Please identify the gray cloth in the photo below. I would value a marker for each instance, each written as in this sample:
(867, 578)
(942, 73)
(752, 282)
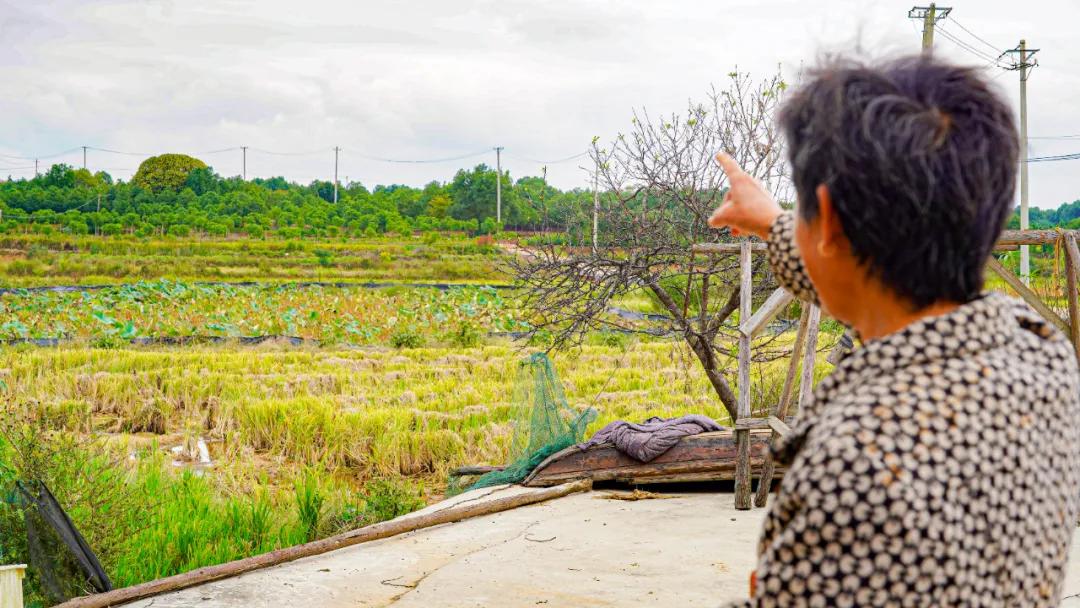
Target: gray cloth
(651, 438)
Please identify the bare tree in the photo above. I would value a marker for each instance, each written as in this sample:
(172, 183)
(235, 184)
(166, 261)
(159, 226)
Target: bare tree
(659, 184)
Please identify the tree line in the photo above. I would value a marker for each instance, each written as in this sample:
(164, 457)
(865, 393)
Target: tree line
(179, 195)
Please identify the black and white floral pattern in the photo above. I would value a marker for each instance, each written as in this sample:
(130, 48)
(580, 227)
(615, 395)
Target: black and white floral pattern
(937, 466)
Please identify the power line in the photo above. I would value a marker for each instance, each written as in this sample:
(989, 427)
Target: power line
(996, 48)
(119, 152)
(424, 161)
(967, 47)
(273, 153)
(1056, 157)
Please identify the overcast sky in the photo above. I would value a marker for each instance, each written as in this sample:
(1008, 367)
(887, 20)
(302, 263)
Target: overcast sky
(442, 78)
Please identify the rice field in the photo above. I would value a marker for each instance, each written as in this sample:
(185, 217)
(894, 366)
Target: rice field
(174, 442)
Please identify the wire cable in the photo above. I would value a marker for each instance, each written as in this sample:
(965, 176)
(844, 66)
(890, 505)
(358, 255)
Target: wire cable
(986, 57)
(995, 47)
(273, 153)
(119, 152)
(425, 161)
(1056, 157)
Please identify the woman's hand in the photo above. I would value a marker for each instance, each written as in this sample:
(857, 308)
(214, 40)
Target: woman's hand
(748, 207)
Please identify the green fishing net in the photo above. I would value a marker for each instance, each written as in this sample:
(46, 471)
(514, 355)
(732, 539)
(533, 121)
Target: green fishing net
(544, 423)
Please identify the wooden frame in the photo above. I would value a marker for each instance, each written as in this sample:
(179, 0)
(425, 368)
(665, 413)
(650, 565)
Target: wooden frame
(806, 339)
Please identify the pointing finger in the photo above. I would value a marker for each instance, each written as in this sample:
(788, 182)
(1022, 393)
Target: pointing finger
(728, 164)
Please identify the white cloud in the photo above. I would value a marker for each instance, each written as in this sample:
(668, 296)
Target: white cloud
(433, 79)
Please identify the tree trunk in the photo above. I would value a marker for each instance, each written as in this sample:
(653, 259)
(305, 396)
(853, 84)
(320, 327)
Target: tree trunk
(702, 348)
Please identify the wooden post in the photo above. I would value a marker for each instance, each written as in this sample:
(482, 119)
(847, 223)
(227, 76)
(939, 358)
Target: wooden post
(806, 383)
(782, 406)
(11, 594)
(1072, 269)
(742, 437)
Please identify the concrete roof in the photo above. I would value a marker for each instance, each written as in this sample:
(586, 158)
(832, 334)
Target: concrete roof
(690, 549)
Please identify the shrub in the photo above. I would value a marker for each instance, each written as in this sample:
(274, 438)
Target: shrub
(386, 499)
(406, 338)
(166, 172)
(466, 336)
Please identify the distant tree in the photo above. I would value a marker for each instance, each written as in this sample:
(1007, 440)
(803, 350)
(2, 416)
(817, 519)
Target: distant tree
(166, 172)
(438, 206)
(474, 193)
(323, 189)
(59, 176)
(202, 180)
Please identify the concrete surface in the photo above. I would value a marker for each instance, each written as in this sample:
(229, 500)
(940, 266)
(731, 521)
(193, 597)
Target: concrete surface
(692, 549)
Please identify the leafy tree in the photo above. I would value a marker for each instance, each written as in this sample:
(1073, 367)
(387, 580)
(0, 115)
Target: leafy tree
(474, 193)
(439, 206)
(166, 172)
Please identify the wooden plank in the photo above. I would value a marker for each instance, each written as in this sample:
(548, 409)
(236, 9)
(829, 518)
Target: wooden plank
(742, 437)
(783, 406)
(479, 469)
(1072, 271)
(748, 424)
(708, 456)
(1029, 296)
(772, 306)
(281, 556)
(719, 445)
(779, 426)
(806, 382)
(1014, 238)
(726, 248)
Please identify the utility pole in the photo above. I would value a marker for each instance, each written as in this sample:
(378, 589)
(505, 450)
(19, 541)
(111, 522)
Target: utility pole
(84, 157)
(1023, 66)
(36, 168)
(929, 15)
(243, 162)
(498, 184)
(595, 205)
(336, 150)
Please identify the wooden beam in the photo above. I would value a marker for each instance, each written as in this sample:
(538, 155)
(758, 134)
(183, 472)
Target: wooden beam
(783, 406)
(1072, 272)
(1009, 239)
(1029, 296)
(779, 426)
(752, 424)
(742, 438)
(385, 529)
(1014, 238)
(806, 382)
(706, 456)
(772, 306)
(477, 469)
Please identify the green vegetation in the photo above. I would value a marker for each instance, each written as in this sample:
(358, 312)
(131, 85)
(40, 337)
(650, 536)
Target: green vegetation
(35, 259)
(403, 318)
(304, 441)
(179, 196)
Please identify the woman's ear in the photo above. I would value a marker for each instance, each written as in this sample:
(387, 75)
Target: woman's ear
(832, 236)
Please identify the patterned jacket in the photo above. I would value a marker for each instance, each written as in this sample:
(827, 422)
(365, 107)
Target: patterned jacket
(937, 466)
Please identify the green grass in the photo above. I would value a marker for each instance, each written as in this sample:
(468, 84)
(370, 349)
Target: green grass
(31, 260)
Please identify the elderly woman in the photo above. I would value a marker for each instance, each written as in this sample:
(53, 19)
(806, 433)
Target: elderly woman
(939, 463)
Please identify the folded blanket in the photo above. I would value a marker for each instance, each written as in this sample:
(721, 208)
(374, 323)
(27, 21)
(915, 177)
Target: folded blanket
(651, 438)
